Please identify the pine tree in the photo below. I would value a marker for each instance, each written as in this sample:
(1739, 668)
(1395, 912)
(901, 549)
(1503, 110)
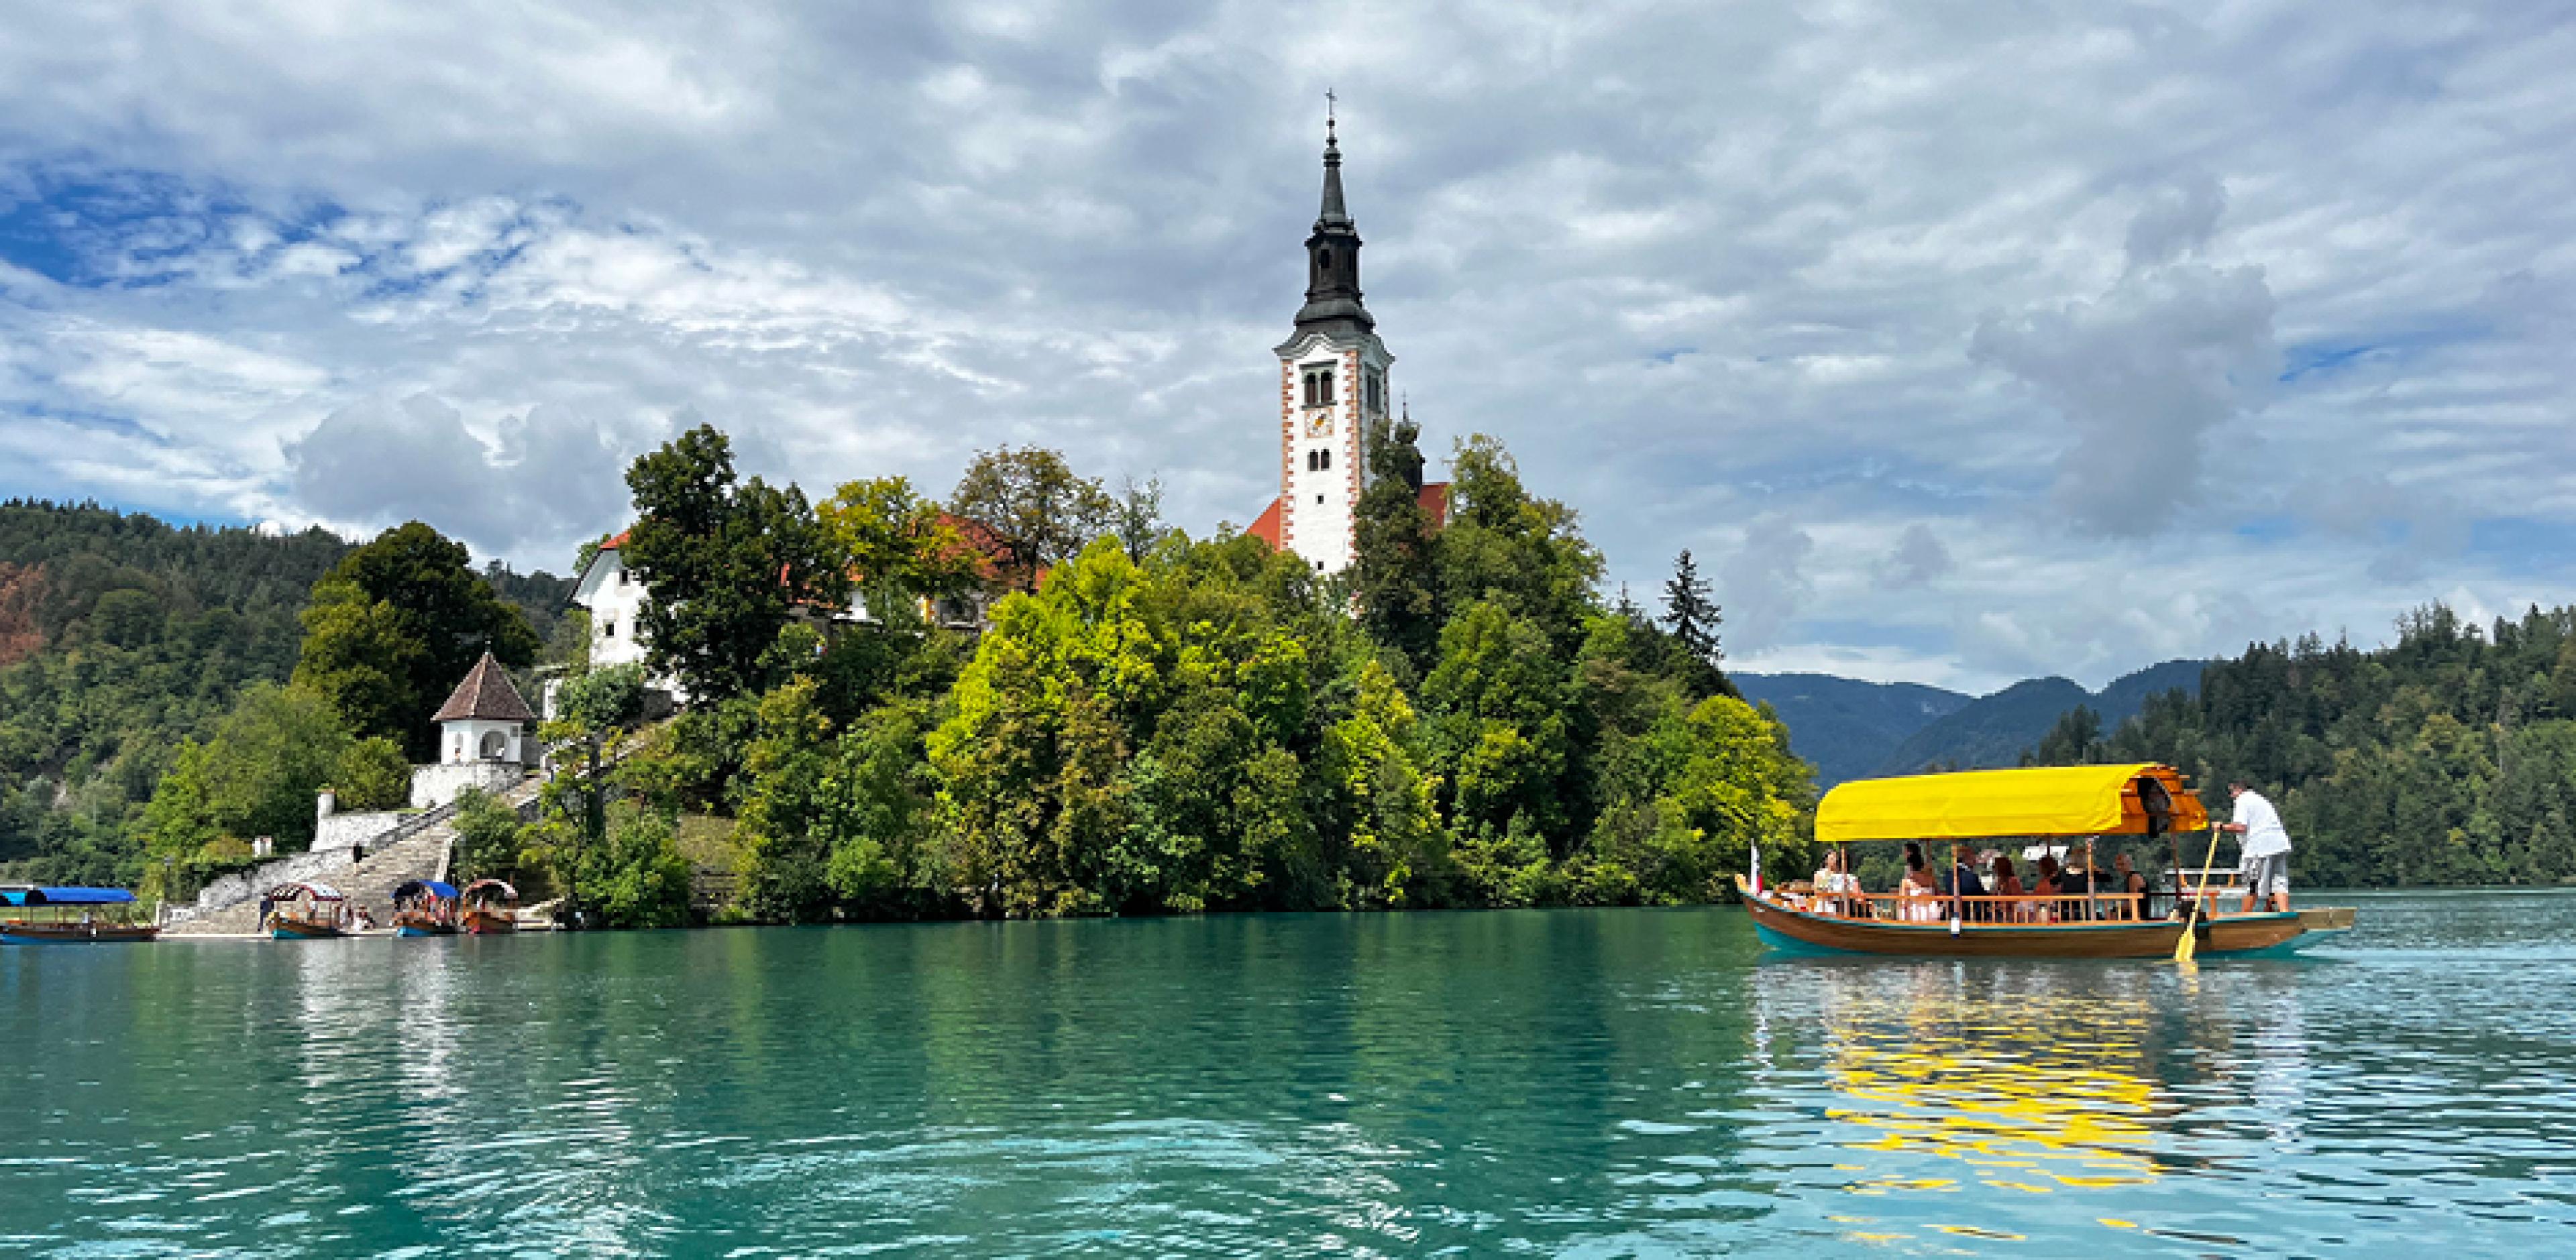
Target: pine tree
(1693, 618)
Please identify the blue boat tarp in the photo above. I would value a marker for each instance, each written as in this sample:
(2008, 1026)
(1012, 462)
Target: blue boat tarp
(435, 888)
(66, 896)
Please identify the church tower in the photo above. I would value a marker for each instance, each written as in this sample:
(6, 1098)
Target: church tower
(1332, 383)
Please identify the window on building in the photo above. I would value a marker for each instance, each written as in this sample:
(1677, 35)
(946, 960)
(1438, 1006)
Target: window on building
(1323, 461)
(608, 628)
(1319, 386)
(1376, 389)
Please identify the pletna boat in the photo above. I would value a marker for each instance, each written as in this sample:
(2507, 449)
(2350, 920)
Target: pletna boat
(491, 908)
(87, 916)
(306, 912)
(2057, 805)
(425, 907)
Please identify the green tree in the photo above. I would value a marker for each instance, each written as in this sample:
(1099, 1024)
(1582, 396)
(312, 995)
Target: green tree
(1044, 513)
(488, 837)
(372, 773)
(1692, 617)
(726, 564)
(1395, 575)
(395, 625)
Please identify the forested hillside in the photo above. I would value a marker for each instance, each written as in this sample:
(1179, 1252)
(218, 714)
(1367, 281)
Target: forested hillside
(121, 637)
(1848, 727)
(2448, 757)
(1996, 730)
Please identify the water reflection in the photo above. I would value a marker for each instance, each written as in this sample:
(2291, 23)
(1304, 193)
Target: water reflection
(1966, 1087)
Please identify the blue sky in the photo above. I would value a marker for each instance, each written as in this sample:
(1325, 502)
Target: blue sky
(1960, 342)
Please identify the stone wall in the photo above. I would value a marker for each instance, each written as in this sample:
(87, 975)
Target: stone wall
(303, 867)
(350, 831)
(433, 786)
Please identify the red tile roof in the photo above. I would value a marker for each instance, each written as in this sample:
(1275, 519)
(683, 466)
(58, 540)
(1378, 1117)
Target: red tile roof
(1266, 527)
(486, 695)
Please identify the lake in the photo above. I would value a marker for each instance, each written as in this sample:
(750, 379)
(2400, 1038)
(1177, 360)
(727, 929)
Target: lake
(1590, 1083)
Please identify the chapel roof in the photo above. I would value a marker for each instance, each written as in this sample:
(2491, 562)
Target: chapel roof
(486, 695)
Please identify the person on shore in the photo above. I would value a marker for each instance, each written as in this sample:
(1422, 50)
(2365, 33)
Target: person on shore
(2266, 863)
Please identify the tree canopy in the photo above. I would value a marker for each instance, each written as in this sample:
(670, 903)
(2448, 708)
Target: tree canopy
(395, 625)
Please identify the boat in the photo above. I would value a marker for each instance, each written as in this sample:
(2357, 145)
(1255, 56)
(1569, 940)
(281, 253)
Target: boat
(63, 916)
(305, 912)
(2073, 805)
(491, 908)
(425, 907)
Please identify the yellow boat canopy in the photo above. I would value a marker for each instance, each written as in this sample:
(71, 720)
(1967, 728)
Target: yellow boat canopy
(1982, 804)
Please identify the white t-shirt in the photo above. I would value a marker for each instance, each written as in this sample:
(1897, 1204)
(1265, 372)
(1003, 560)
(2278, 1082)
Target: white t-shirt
(2263, 834)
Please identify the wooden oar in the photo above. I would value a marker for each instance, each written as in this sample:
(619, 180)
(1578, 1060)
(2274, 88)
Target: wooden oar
(2183, 946)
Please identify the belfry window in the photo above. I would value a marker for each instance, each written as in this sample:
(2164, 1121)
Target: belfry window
(1319, 461)
(1376, 389)
(1319, 386)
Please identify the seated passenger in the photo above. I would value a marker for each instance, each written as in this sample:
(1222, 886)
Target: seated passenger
(1964, 883)
(2052, 881)
(1917, 892)
(2008, 885)
(1835, 887)
(2131, 883)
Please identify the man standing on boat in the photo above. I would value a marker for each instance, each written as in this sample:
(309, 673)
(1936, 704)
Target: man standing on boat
(2267, 847)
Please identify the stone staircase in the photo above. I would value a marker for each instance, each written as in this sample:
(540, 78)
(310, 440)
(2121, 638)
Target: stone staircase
(424, 854)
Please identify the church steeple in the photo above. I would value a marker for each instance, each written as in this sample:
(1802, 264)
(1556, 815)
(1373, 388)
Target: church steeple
(1333, 256)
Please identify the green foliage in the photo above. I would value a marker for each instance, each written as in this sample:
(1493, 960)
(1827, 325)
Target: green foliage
(1692, 617)
(395, 625)
(638, 878)
(726, 564)
(2448, 757)
(257, 777)
(603, 699)
(1044, 513)
(372, 774)
(1395, 576)
(488, 837)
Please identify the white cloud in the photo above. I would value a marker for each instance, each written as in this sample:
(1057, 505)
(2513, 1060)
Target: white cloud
(1896, 273)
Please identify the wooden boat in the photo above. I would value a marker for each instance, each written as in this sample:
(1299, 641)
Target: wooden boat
(71, 916)
(306, 912)
(491, 908)
(2070, 803)
(425, 907)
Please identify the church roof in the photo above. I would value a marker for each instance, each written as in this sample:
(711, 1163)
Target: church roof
(486, 695)
(1267, 527)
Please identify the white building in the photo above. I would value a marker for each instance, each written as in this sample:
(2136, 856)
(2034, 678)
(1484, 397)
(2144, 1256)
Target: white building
(485, 719)
(1333, 373)
(617, 600)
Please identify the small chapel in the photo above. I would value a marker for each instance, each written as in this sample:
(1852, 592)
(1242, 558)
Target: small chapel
(1333, 371)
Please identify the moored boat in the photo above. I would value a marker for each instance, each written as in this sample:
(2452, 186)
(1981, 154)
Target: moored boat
(85, 916)
(2072, 804)
(305, 912)
(425, 907)
(491, 908)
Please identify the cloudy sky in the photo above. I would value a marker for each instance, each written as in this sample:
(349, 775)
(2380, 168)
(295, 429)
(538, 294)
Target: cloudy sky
(1961, 342)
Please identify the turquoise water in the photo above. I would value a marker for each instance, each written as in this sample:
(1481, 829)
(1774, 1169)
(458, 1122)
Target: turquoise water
(1594, 1083)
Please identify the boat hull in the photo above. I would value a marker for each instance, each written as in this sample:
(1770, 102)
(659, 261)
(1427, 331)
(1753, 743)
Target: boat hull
(411, 924)
(290, 930)
(78, 934)
(2234, 936)
(489, 923)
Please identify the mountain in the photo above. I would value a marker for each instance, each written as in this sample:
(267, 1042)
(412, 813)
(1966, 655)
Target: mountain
(1845, 726)
(1995, 730)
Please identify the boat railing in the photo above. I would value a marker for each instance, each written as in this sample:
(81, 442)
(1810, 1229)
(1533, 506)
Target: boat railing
(1975, 908)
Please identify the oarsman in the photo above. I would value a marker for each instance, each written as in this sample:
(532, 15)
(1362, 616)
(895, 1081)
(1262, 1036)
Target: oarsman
(2266, 866)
